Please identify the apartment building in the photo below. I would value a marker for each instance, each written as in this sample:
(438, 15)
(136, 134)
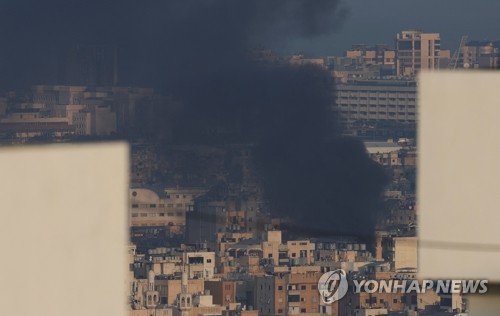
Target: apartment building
(377, 100)
(416, 50)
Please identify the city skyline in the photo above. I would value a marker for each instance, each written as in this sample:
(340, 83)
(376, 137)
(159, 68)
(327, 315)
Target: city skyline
(377, 22)
(266, 145)
(36, 33)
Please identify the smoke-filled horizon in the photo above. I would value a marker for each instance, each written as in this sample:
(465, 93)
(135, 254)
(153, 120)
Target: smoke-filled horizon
(160, 42)
(197, 52)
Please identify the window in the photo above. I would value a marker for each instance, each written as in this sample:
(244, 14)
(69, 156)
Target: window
(302, 287)
(209, 260)
(152, 205)
(404, 45)
(162, 214)
(144, 214)
(135, 205)
(303, 310)
(280, 288)
(135, 215)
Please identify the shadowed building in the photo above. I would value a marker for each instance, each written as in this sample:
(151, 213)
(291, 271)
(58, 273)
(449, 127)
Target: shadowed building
(89, 66)
(377, 100)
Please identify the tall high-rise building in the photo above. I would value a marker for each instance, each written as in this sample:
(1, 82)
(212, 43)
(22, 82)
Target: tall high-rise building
(416, 50)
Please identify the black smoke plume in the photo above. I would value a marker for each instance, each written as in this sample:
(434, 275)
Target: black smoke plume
(199, 52)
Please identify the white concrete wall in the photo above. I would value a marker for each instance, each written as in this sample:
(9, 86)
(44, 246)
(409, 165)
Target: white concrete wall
(63, 232)
(459, 180)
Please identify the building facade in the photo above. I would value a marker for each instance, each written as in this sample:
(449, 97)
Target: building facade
(377, 100)
(416, 50)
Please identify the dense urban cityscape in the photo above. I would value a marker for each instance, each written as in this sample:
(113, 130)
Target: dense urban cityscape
(206, 235)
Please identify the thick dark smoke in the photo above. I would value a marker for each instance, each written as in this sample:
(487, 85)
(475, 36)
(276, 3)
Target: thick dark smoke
(161, 42)
(198, 51)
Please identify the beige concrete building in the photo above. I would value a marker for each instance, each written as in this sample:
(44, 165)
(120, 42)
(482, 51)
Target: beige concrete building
(223, 292)
(423, 301)
(300, 60)
(250, 263)
(227, 240)
(163, 265)
(405, 253)
(149, 207)
(169, 288)
(290, 293)
(303, 295)
(271, 245)
(201, 264)
(372, 55)
(300, 252)
(163, 311)
(416, 50)
(23, 126)
(270, 295)
(144, 294)
(353, 302)
(59, 111)
(480, 55)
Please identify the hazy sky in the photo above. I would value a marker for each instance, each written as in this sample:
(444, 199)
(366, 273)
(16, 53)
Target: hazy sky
(377, 21)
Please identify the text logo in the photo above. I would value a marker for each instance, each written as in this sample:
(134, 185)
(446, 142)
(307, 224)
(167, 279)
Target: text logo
(332, 286)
